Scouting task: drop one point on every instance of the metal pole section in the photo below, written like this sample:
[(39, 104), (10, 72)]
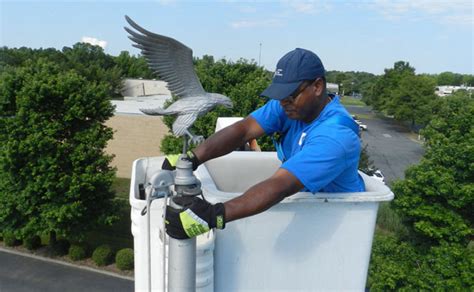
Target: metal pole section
[(259, 54), (182, 253), (182, 265)]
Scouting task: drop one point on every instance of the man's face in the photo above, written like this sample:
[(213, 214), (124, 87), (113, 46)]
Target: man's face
[(306, 102)]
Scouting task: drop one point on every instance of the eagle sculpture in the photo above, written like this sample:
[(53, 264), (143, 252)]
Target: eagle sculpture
[(173, 62)]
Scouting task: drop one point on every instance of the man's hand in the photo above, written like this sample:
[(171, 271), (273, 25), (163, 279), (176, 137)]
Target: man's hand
[(172, 159), (197, 217)]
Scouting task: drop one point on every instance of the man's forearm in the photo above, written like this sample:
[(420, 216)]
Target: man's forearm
[(224, 141), (262, 196)]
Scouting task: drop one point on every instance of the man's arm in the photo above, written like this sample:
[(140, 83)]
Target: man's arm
[(263, 195), (228, 139)]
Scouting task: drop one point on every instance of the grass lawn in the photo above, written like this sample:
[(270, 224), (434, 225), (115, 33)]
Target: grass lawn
[(122, 187), (348, 100)]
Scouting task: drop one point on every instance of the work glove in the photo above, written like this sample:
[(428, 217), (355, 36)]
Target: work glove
[(172, 159), (198, 216)]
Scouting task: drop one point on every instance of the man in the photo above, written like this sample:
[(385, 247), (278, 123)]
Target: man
[(318, 145)]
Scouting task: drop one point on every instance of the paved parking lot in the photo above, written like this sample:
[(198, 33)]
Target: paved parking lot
[(390, 146), (23, 274)]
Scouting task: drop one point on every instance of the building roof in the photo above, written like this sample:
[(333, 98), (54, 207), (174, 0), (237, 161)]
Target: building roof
[(132, 105)]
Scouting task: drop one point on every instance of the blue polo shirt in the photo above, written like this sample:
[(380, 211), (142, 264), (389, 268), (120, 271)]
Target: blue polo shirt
[(323, 156)]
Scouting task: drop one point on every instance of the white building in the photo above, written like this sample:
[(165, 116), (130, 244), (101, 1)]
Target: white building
[(446, 90), (332, 87), (144, 87)]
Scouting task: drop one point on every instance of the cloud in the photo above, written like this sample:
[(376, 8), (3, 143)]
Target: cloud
[(94, 41), (454, 11), (256, 23), (307, 6)]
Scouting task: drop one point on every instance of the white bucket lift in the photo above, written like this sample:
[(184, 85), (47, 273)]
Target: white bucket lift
[(307, 242)]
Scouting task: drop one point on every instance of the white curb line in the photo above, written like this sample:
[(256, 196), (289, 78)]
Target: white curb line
[(65, 264)]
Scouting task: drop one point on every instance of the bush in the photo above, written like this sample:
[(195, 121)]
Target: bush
[(32, 242), (61, 247), (77, 252), (389, 220), (124, 259), (10, 239), (399, 265), (102, 255)]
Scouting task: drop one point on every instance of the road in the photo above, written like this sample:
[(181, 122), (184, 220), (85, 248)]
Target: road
[(389, 144), (23, 274)]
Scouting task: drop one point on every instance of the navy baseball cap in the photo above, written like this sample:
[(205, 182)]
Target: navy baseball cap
[(292, 69)]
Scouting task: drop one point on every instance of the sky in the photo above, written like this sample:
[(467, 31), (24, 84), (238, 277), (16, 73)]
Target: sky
[(367, 35)]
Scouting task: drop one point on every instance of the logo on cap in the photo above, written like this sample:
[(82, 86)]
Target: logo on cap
[(278, 72)]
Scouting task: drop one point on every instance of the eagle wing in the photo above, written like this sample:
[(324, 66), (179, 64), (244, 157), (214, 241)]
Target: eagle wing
[(170, 59)]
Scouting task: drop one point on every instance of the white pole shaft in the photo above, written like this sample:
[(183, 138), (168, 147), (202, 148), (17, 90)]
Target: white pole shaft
[(182, 265)]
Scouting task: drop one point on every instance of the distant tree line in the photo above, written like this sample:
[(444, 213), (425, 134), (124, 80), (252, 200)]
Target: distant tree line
[(361, 82), (399, 92)]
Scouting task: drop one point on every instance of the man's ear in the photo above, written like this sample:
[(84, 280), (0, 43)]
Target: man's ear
[(319, 86)]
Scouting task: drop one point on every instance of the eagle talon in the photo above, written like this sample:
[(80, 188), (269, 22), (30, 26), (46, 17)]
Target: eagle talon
[(196, 140)]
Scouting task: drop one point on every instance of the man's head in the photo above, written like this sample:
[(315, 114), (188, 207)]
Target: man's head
[(299, 84), (291, 71)]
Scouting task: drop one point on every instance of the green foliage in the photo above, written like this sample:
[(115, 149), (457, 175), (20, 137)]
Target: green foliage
[(133, 67), (32, 242), (124, 259), (389, 221), (351, 82), (351, 101), (398, 265), (103, 255), (10, 239), (60, 247), (87, 60), (412, 100), (450, 78), (366, 165), (381, 91), (436, 198), (77, 252), (241, 81), (54, 173)]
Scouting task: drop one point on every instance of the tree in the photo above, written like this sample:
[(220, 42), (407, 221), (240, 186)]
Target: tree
[(381, 91), (95, 65), (54, 175), (366, 165), (436, 198), (435, 201), (133, 67), (398, 265), (450, 78), (412, 100)]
